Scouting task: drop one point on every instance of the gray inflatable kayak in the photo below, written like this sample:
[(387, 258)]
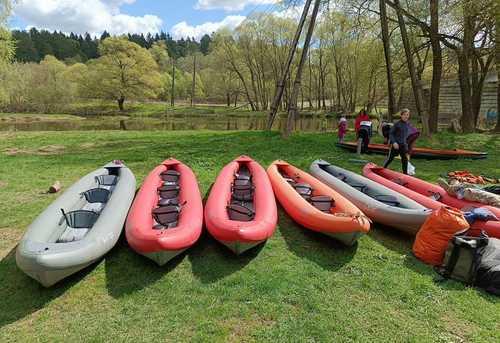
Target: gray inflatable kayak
[(77, 229), (378, 202)]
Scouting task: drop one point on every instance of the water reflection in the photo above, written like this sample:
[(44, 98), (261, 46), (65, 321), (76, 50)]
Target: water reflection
[(217, 123)]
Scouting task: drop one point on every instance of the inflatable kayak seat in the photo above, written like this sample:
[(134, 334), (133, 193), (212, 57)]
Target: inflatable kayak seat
[(166, 216), (401, 182), (304, 189), (243, 174), (359, 186), (78, 224), (341, 177), (242, 182), (80, 219), (168, 202), (390, 200), (106, 180), (169, 191), (97, 195), (323, 203), (240, 213), (243, 192), (170, 176)]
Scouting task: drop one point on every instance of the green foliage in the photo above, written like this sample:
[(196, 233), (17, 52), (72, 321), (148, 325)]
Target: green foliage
[(160, 55), (124, 71)]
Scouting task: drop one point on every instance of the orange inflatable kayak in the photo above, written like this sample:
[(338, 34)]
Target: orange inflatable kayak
[(241, 210), (166, 217), (316, 206)]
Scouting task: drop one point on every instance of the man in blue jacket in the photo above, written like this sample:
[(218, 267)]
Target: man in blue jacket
[(398, 139)]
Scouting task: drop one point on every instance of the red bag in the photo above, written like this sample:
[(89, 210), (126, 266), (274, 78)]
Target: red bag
[(432, 239)]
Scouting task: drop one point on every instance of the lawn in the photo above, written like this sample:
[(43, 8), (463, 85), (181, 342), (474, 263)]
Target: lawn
[(299, 286)]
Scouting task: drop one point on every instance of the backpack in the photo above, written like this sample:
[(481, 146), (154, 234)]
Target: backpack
[(488, 273), (462, 258), (434, 236)]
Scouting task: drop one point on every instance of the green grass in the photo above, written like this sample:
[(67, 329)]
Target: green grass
[(300, 286)]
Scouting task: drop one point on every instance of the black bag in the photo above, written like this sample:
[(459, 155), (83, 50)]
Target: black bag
[(463, 258), (488, 273)]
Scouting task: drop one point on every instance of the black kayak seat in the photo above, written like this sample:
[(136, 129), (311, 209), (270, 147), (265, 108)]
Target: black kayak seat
[(106, 180), (169, 191), (322, 202), (359, 186), (240, 212), (166, 216), (170, 176), (340, 176), (80, 219), (96, 195), (168, 202), (387, 199)]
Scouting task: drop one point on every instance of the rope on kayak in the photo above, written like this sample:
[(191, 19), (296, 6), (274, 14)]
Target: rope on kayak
[(360, 217)]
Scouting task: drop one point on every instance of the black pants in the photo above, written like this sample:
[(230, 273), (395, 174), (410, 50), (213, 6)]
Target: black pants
[(365, 136), (402, 151)]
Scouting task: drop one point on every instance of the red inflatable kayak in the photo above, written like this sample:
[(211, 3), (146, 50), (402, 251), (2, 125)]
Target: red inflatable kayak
[(430, 195), (241, 210), (437, 154), (166, 217), (316, 206)]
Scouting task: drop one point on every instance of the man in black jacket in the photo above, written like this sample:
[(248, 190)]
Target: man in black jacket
[(398, 139)]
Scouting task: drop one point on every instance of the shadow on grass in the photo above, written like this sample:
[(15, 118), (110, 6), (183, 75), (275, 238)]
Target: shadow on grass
[(212, 261), (128, 272), (402, 243), (321, 249), (21, 295)]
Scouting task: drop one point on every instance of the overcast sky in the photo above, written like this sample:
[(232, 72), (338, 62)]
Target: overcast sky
[(181, 18)]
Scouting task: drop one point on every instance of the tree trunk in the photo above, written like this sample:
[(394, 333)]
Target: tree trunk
[(291, 55), (292, 108), (464, 56), (121, 101), (388, 60), (411, 68), (172, 95), (193, 87), (497, 49), (437, 67), (467, 119)]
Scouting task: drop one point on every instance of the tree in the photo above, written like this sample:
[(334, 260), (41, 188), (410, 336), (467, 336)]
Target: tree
[(497, 49), (411, 69), (124, 70), (281, 85), (205, 44), (437, 66), (160, 54), (388, 60), (6, 44), (292, 107)]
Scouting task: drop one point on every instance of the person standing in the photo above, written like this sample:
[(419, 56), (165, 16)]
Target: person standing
[(342, 129), (398, 139)]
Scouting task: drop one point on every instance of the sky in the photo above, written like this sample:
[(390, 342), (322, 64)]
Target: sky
[(184, 18)]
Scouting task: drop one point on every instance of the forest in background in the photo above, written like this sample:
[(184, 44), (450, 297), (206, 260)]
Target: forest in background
[(363, 53)]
